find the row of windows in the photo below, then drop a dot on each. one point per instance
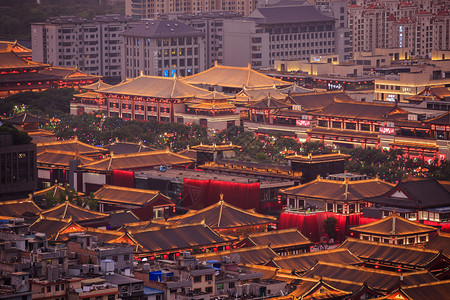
(347, 125)
(56, 288)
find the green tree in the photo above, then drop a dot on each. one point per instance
(19, 137)
(329, 226)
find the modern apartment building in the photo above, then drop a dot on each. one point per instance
(162, 48)
(421, 25)
(211, 24)
(143, 9)
(284, 31)
(93, 46)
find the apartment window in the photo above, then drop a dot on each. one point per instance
(208, 289)
(208, 277)
(197, 278)
(49, 289)
(57, 288)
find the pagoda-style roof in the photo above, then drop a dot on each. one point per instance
(323, 288)
(285, 238)
(174, 239)
(394, 226)
(98, 85)
(441, 92)
(73, 145)
(15, 47)
(19, 208)
(143, 225)
(257, 255)
(319, 158)
(66, 74)
(10, 60)
(360, 110)
(340, 190)
(377, 279)
(392, 255)
(25, 118)
(129, 161)
(55, 228)
(234, 77)
(119, 147)
(214, 147)
(156, 87)
(222, 215)
(259, 93)
(441, 242)
(71, 211)
(303, 262)
(318, 100)
(128, 196)
(61, 158)
(443, 119)
(55, 189)
(268, 103)
(427, 193)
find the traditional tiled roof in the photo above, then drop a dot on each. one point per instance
(128, 196)
(19, 208)
(257, 94)
(320, 158)
(308, 288)
(103, 235)
(377, 279)
(428, 193)
(268, 103)
(61, 158)
(162, 28)
(443, 119)
(249, 255)
(303, 262)
(89, 95)
(435, 290)
(389, 254)
(98, 85)
(209, 105)
(214, 147)
(73, 145)
(360, 110)
(340, 190)
(148, 159)
(55, 189)
(119, 147)
(318, 100)
(11, 60)
(156, 87)
(288, 14)
(24, 118)
(214, 95)
(68, 73)
(440, 242)
(222, 215)
(176, 238)
(143, 225)
(394, 226)
(17, 48)
(76, 213)
(121, 217)
(234, 77)
(53, 227)
(279, 238)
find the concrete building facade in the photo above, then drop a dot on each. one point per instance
(93, 46)
(162, 48)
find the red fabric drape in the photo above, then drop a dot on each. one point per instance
(123, 178)
(445, 227)
(202, 193)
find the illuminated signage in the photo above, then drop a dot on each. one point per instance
(305, 123)
(334, 86)
(391, 98)
(387, 130)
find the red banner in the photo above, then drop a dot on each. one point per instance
(202, 193)
(123, 178)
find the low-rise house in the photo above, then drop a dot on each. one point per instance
(129, 288)
(96, 288)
